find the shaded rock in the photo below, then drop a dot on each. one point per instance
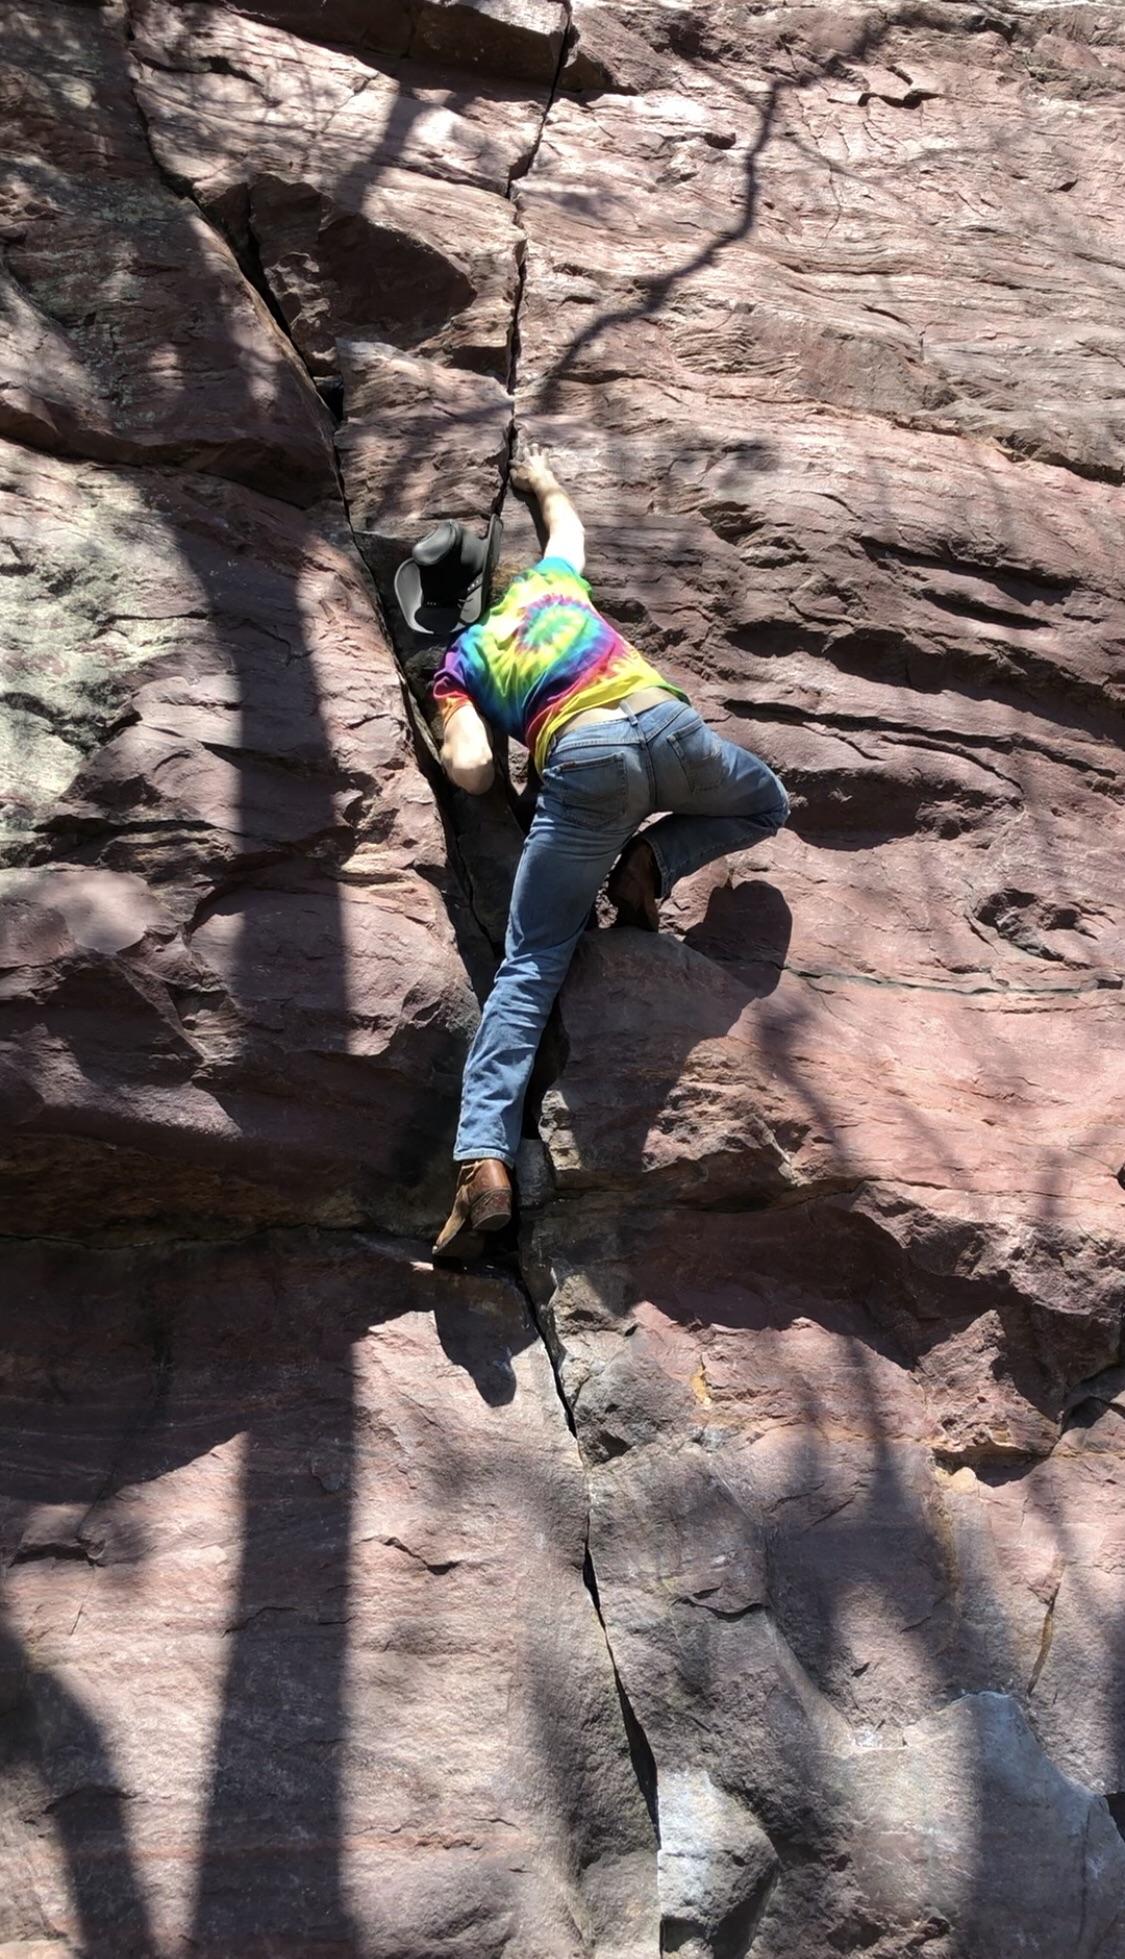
(351, 1581)
(422, 442)
(788, 1583)
(228, 99)
(1050, 1545)
(498, 37)
(172, 357)
(743, 1085)
(366, 200)
(405, 261)
(1039, 1853)
(715, 1866)
(227, 727)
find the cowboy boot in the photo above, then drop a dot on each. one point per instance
(481, 1203)
(634, 887)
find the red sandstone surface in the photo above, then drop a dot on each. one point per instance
(736, 1566)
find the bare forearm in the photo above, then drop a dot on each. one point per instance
(565, 535)
(466, 752)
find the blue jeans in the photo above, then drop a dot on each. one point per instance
(600, 782)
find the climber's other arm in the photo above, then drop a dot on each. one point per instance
(565, 536)
(466, 752)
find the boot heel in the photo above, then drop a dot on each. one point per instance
(490, 1211)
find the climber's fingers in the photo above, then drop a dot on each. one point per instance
(531, 464)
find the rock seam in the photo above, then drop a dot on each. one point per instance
(640, 1751)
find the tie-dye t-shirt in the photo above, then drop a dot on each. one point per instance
(540, 656)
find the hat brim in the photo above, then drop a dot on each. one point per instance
(473, 603)
(408, 591)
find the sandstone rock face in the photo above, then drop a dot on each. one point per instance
(380, 1714)
(735, 1566)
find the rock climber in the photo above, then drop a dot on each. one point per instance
(612, 742)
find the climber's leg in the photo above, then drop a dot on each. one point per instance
(723, 799)
(593, 797)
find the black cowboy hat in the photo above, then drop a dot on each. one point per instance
(443, 584)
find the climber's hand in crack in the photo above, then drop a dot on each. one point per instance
(466, 751)
(531, 469)
(532, 473)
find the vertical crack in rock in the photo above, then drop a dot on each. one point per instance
(249, 262)
(640, 1750)
(247, 258)
(515, 176)
(1045, 1638)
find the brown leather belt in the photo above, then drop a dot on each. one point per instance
(641, 697)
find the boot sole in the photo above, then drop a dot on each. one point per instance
(465, 1249)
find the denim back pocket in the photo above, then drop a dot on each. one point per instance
(699, 753)
(592, 785)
